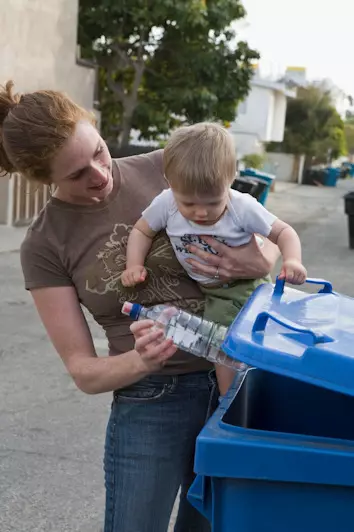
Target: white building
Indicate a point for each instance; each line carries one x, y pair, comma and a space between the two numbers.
261, 116
295, 76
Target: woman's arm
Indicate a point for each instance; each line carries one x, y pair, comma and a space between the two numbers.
62, 316
243, 262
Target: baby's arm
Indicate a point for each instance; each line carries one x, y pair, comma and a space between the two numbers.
154, 219
286, 238
139, 244
256, 219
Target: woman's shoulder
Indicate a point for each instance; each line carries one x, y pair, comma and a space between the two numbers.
37, 246
148, 162
36, 234
40, 259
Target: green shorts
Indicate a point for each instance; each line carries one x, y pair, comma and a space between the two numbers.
223, 303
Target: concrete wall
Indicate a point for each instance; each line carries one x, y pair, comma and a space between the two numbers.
247, 143
38, 50
4, 193
286, 166
279, 116
38, 44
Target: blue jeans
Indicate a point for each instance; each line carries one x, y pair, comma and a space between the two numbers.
149, 452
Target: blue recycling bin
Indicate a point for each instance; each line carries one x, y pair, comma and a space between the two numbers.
278, 454
350, 167
331, 176
262, 177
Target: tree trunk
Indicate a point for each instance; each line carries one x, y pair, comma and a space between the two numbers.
296, 168
128, 98
124, 136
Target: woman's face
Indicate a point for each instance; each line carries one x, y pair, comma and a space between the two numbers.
82, 170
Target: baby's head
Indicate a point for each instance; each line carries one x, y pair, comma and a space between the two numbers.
200, 166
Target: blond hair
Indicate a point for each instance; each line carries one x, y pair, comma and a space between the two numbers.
33, 128
200, 159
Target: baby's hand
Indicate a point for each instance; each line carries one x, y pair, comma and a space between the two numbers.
293, 272
134, 275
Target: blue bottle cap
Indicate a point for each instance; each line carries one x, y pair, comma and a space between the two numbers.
131, 309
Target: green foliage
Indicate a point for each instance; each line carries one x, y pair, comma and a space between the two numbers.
349, 136
253, 160
313, 126
164, 61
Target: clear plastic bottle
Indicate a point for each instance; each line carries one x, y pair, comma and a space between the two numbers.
189, 332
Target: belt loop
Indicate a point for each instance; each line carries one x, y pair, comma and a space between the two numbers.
174, 383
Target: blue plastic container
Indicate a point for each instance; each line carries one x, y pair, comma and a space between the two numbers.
263, 177
331, 177
350, 167
278, 454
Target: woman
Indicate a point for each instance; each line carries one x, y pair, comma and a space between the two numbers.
73, 255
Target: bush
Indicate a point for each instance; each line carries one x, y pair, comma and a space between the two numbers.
253, 160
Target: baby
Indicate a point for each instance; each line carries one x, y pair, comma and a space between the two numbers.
200, 167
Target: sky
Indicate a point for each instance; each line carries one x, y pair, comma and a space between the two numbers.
303, 33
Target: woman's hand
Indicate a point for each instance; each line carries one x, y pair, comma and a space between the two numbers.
243, 262
151, 345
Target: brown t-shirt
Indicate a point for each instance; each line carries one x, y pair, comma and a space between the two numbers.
85, 246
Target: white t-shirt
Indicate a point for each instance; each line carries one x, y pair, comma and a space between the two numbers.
243, 217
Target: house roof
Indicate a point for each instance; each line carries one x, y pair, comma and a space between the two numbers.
273, 85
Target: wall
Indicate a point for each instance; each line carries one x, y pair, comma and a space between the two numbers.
247, 143
279, 116
4, 187
286, 166
261, 117
271, 103
38, 43
253, 114
38, 50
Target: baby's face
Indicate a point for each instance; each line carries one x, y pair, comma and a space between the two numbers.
202, 210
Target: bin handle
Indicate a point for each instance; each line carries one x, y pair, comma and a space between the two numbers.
262, 319
200, 496
327, 286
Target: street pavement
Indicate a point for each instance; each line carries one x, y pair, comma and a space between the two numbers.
51, 434
317, 213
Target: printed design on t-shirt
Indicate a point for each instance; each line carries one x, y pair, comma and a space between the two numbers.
195, 240
164, 272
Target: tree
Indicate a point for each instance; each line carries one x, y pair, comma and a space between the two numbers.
164, 61
349, 133
313, 126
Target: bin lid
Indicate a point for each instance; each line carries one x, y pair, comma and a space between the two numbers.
309, 337
257, 173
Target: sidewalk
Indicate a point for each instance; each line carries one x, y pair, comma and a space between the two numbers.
301, 205
11, 238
